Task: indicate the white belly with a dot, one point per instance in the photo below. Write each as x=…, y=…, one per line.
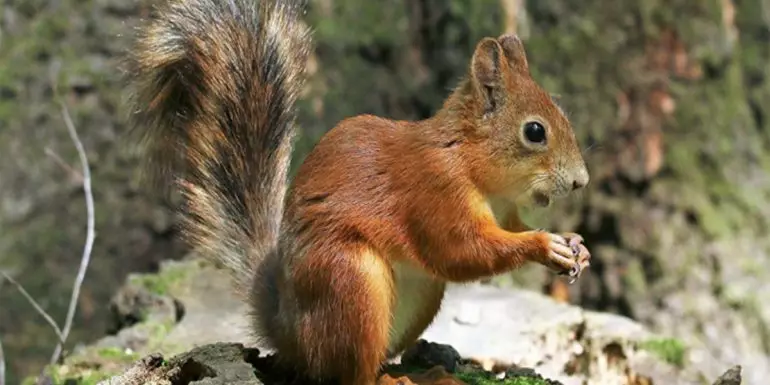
x=412, y=286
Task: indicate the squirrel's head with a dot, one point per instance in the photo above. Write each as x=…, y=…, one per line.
x=526, y=147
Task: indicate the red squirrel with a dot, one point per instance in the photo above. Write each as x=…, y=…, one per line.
x=346, y=265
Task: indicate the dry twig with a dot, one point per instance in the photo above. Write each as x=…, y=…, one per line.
x=34, y=304
x=56, y=158
x=85, y=259
x=90, y=232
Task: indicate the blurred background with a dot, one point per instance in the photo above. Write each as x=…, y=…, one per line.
x=670, y=99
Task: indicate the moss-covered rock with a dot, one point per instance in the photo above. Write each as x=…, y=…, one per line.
x=197, y=327
x=169, y=277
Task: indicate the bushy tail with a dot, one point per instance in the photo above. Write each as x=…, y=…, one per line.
x=214, y=83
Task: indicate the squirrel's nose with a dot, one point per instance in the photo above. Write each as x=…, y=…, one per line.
x=581, y=178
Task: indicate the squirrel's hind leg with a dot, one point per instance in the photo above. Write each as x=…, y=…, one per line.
x=344, y=300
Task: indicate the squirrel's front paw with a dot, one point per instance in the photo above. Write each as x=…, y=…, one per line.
x=580, y=253
x=559, y=255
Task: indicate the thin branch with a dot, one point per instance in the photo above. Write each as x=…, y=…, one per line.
x=56, y=158
x=90, y=235
x=34, y=304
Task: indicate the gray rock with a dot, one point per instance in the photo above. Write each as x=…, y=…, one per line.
x=559, y=341
x=525, y=332
x=731, y=377
x=216, y=364
x=429, y=354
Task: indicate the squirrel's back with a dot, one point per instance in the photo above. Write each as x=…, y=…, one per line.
x=214, y=83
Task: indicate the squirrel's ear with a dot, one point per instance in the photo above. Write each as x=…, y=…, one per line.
x=486, y=70
x=514, y=51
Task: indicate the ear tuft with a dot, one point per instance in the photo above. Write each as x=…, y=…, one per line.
x=514, y=52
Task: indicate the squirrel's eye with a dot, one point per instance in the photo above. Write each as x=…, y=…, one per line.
x=534, y=132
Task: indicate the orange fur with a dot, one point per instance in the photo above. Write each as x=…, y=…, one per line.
x=351, y=266
x=433, y=295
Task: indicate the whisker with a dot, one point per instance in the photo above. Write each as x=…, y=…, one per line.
x=593, y=148
x=532, y=183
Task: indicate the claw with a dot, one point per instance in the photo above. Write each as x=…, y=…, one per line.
x=573, y=274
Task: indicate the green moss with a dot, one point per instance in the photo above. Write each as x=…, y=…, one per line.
x=69, y=375
x=117, y=354
x=668, y=349
x=164, y=280
x=483, y=378
x=151, y=282
x=91, y=377
x=156, y=336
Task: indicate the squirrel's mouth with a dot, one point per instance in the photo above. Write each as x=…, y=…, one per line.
x=541, y=199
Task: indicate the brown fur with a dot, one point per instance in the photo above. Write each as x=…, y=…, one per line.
x=381, y=214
